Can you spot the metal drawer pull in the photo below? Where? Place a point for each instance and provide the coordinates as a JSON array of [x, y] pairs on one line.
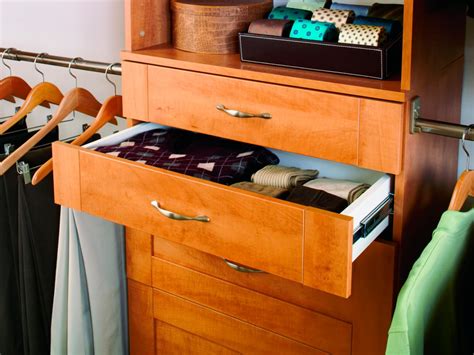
[[178, 217], [239, 114], [241, 268]]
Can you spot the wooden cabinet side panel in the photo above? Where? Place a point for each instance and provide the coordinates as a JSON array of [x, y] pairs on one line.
[[140, 319], [67, 181], [147, 23], [373, 298], [424, 187], [327, 259], [139, 251], [135, 90], [381, 136]]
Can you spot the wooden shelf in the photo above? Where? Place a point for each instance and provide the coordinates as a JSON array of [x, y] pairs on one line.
[[230, 65]]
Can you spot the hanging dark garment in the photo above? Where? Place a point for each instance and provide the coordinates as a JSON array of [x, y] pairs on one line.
[[17, 138], [38, 229], [10, 321], [11, 339]]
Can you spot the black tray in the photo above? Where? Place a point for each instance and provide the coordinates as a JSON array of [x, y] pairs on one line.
[[370, 62]]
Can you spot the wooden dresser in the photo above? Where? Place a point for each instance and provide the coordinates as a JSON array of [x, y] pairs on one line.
[[194, 287]]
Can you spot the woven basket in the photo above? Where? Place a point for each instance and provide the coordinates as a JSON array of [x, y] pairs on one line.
[[212, 26]]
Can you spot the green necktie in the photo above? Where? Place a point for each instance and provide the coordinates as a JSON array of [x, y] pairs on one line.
[[285, 13], [309, 5], [314, 31]]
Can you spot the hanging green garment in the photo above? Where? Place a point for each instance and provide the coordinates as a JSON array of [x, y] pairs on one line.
[[435, 306]]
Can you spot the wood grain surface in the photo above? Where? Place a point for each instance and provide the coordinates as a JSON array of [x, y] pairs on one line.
[[230, 65], [147, 23], [381, 136], [141, 326], [67, 188], [135, 89], [222, 329], [303, 121], [311, 328]]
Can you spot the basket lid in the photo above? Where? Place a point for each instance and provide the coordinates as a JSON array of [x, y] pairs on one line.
[[205, 5]]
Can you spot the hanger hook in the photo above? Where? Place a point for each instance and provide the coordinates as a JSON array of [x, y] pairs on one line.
[[108, 79], [74, 60], [3, 59], [36, 66], [463, 142]]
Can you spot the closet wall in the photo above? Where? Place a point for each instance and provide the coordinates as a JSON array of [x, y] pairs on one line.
[[467, 113], [89, 29], [94, 30]]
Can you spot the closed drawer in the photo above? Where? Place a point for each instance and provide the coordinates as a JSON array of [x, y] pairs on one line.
[[297, 323], [346, 129], [304, 244], [224, 331]]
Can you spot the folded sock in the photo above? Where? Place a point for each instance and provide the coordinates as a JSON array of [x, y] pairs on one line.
[[271, 191], [282, 176], [317, 198], [348, 190]]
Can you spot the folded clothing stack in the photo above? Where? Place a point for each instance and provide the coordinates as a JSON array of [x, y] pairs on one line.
[[282, 176], [275, 192], [317, 198], [348, 190], [199, 155]]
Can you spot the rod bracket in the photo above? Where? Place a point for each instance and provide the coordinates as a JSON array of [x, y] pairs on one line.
[[415, 115]]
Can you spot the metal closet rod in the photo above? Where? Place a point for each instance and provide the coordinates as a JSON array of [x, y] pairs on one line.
[[58, 61], [440, 128]]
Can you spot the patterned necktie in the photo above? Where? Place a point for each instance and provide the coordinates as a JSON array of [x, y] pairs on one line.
[[284, 13], [309, 5], [337, 17], [361, 34], [359, 10], [279, 28], [314, 31], [392, 28]]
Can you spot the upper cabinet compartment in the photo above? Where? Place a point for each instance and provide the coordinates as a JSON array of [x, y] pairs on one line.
[[149, 40]]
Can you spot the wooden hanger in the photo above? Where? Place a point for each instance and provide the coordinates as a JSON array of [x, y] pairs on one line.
[[464, 188], [465, 185], [111, 108], [13, 86], [75, 100], [40, 93]]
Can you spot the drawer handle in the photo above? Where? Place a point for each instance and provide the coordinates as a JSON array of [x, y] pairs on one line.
[[241, 268], [177, 216], [240, 114]]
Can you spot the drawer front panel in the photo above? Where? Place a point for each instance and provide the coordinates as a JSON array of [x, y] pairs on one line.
[[263, 283], [303, 121], [218, 328], [171, 340], [256, 231], [299, 243], [311, 328]]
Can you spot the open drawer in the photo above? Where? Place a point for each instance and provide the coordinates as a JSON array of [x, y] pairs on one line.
[[304, 244]]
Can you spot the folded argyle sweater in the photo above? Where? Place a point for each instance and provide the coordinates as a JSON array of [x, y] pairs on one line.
[[199, 155]]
